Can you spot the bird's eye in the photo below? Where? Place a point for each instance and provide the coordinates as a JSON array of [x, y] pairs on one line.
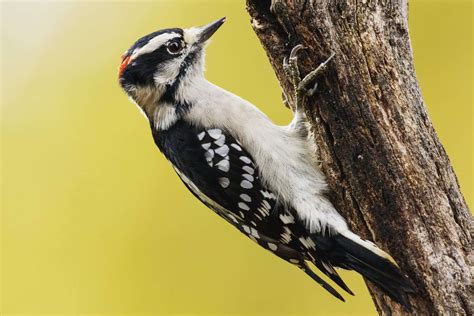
[[174, 47]]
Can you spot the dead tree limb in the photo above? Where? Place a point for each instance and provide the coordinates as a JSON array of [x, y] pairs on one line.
[[388, 172]]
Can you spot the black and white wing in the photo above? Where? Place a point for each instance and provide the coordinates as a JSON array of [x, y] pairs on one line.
[[222, 174]]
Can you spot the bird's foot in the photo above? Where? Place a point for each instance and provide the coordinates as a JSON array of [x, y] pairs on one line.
[[302, 86]]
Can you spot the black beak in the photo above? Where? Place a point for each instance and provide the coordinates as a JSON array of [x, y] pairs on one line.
[[209, 29]]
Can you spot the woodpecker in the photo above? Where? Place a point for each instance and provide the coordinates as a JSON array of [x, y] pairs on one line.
[[259, 177]]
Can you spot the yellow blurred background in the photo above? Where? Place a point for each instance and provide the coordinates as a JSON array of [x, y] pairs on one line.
[[93, 218]]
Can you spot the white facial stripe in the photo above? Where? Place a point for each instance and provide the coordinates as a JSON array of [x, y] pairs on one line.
[[191, 35], [153, 44]]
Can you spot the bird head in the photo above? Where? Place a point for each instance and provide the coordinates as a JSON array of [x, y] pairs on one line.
[[153, 67]]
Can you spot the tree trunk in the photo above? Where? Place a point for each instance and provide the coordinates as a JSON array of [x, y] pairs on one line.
[[389, 174]]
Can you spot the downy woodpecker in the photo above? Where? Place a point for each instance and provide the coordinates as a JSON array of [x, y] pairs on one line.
[[259, 177]]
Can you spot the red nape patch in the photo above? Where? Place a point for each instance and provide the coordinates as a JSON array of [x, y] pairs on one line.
[[123, 65]]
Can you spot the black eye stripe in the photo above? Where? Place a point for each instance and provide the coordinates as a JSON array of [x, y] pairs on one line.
[[142, 69]]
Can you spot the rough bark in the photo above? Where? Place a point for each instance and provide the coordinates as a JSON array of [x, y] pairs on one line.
[[389, 174]]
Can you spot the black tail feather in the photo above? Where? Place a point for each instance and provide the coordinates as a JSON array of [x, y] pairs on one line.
[[328, 270], [321, 282], [375, 268], [358, 255]]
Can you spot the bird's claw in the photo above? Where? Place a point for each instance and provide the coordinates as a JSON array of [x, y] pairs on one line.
[[300, 86], [295, 50]]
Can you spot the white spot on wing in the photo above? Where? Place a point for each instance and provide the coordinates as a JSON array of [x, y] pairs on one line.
[[246, 184], [248, 177], [268, 195], [209, 154], [243, 206], [263, 211], [285, 237], [224, 182], [215, 133], [307, 242], [266, 204], [223, 165], [248, 169], [237, 147], [201, 135], [222, 151], [245, 159], [287, 218], [272, 246], [254, 232], [220, 141], [206, 145], [246, 197]]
